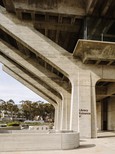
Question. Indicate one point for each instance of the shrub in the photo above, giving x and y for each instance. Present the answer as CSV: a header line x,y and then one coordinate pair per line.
x,y
13,124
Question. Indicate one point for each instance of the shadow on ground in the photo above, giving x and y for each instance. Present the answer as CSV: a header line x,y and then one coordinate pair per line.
x,y
82,140
86,146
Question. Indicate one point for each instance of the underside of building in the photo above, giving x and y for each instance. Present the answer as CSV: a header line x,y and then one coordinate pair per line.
x,y
65,52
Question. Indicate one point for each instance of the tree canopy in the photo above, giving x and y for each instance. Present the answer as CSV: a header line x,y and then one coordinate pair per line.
x,y
27,109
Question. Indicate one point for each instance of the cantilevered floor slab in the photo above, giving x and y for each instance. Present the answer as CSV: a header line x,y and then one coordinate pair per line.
x,y
95,52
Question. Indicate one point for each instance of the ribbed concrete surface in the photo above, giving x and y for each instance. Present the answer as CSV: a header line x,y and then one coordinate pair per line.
x,y
38,141
88,146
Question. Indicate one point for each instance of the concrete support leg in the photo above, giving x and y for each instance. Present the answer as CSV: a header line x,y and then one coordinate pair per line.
x,y
56,118
94,79
81,104
74,115
93,113
65,120
64,115
59,115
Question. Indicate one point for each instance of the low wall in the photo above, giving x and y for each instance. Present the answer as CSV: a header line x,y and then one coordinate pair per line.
x,y
36,141
8,129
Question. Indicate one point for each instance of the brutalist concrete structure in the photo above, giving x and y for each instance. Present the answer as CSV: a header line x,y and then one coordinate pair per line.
x,y
64,51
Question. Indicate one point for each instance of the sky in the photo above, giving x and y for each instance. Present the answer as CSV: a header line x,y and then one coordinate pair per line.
x,y
13,89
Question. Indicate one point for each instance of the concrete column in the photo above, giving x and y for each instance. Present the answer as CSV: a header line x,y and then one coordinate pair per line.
x,y
94,79
111,114
65,120
58,114
98,112
74,115
81,104
56,117
93,113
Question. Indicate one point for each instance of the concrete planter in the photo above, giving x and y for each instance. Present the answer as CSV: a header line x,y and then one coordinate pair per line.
x,y
9,129
37,141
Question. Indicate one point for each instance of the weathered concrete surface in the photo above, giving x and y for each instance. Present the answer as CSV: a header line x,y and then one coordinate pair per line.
x,y
72,7
95,52
37,141
43,74
87,146
83,84
61,60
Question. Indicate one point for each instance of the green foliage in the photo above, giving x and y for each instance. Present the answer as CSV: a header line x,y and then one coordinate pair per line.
x,y
9,107
32,109
34,123
15,123
28,110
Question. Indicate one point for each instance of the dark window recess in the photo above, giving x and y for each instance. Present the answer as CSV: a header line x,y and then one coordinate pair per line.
x,y
53,19
26,16
7,38
66,20
55,71
90,61
103,63
49,67
39,17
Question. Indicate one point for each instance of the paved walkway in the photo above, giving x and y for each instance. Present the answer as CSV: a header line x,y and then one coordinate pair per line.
x,y
105,145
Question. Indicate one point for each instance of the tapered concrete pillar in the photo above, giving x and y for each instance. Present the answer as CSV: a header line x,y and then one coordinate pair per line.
x,y
81,104
66,101
74,115
58,114
56,117
93,113
94,79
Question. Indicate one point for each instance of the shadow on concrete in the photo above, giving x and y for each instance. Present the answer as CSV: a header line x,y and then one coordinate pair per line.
x,y
86,146
82,140
106,134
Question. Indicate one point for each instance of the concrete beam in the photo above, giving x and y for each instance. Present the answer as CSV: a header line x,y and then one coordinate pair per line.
x,y
111,89
51,53
101,90
18,74
28,77
24,63
54,7
28,85
9,5
105,91
29,65
90,6
31,87
56,56
106,7
56,26
94,51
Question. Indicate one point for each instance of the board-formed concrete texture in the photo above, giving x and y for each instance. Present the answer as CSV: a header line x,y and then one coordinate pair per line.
x,y
65,52
38,141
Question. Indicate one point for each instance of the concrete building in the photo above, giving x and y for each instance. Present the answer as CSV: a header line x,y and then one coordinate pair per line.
x,y
64,51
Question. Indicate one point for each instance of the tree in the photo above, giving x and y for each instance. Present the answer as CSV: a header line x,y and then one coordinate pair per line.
x,y
32,109
49,110
9,108
26,109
